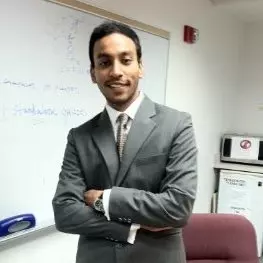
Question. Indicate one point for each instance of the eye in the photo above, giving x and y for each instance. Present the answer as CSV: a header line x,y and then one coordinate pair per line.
x,y
126,61
104,63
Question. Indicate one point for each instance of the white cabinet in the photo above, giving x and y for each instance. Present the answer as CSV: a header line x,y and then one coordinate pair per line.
x,y
242,193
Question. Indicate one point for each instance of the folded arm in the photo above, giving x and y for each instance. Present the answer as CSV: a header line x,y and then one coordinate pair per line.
x,y
173,205
71,213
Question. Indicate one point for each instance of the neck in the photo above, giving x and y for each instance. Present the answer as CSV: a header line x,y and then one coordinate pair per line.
x,y
122,107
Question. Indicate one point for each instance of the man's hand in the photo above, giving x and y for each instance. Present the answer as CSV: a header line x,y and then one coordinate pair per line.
x,y
91,195
155,229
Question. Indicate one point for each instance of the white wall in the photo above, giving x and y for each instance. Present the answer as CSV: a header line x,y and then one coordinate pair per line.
x,y
202,80
249,98
199,79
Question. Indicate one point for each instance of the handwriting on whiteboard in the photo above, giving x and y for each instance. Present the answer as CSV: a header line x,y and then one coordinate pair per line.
x,y
8,83
34,110
65,40
41,110
20,84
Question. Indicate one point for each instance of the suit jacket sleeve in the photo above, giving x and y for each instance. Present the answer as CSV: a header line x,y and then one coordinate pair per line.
x,y
173,205
70,211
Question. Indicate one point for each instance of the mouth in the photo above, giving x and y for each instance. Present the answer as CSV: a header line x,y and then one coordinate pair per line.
x,y
117,85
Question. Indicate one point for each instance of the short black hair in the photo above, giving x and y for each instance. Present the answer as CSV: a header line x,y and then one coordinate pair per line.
x,y
108,28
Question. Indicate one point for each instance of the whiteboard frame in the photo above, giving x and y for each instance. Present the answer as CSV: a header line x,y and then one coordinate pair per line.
x,y
87,8
27,235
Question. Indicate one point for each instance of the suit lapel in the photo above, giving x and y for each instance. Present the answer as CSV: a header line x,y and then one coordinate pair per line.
x,y
141,128
104,138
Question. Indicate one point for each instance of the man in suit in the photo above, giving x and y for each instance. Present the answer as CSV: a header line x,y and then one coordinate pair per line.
x,y
129,175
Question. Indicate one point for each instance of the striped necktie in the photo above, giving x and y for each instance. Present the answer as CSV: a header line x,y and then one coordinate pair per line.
x,y
121,133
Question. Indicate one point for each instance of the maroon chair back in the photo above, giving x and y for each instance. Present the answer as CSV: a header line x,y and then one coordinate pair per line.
x,y
220,238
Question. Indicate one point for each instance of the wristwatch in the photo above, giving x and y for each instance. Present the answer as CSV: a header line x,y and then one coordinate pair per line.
x,y
98,204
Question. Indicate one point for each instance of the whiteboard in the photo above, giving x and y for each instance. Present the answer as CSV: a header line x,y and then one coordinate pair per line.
x,y
45,89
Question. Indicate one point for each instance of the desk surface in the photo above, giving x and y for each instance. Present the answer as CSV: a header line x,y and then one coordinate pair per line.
x,y
237,167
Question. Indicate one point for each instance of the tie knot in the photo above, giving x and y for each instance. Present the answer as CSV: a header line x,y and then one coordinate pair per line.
x,y
123,119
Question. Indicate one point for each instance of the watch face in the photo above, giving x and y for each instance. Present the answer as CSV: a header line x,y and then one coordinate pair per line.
x,y
98,205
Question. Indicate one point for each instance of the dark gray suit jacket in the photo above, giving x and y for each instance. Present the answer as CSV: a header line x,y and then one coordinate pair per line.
x,y
155,185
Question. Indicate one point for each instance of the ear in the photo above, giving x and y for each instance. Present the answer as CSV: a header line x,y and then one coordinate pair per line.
x,y
141,70
92,75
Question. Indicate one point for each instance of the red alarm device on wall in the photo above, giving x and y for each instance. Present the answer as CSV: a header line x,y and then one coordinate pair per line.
x,y
191,34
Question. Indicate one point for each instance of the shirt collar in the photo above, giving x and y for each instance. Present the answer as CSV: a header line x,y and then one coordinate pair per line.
x,y
130,111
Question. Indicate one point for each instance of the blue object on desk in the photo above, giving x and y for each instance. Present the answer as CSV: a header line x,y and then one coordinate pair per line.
x,y
16,223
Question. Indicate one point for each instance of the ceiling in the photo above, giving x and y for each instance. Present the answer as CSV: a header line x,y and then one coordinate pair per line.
x,y
246,10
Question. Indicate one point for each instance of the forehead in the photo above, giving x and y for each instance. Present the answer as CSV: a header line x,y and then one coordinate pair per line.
x,y
114,44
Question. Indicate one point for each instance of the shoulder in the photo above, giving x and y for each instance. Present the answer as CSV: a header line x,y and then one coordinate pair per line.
x,y
86,127
177,124
171,115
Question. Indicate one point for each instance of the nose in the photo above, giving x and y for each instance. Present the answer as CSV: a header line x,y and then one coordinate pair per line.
x,y
116,70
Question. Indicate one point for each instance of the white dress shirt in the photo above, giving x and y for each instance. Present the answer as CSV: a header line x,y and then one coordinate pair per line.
x,y
113,115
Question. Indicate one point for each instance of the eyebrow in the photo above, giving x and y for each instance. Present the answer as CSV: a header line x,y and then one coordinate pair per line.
x,y
106,55
103,55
